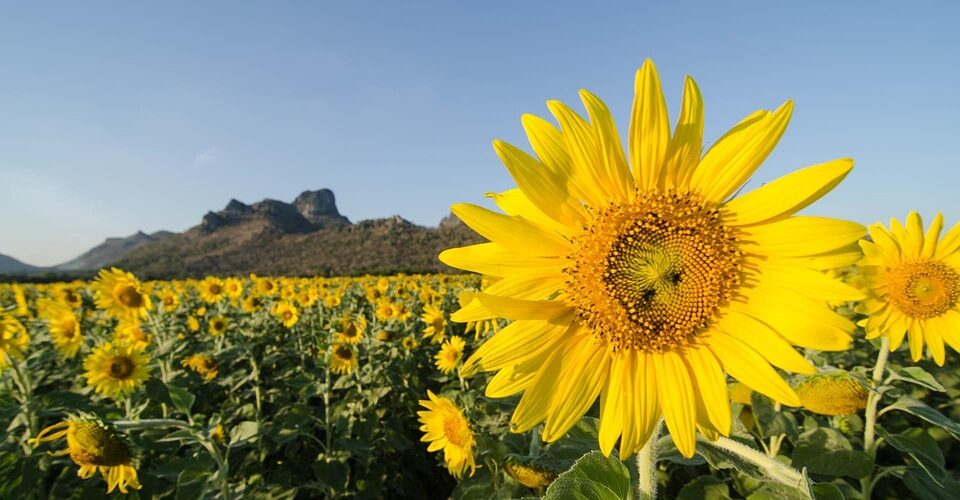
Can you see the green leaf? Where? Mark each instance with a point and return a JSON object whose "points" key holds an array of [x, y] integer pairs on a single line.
{"points": [[181, 398], [579, 440], [922, 449], [593, 476], [777, 491], [243, 432], [918, 376], [705, 488], [826, 491], [920, 409], [925, 489], [825, 451]]}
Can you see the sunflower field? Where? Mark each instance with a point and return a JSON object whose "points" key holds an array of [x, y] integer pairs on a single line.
{"points": [[639, 324]]}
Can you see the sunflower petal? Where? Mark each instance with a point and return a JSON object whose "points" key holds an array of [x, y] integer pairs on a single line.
{"points": [[677, 400], [649, 135]]}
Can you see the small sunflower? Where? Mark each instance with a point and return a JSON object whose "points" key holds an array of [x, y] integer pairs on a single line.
{"points": [[447, 429], [836, 394], [913, 279], [436, 323], [218, 434], [64, 329], [252, 304], [266, 286], [218, 325], [352, 330], [131, 331], [204, 365], [287, 313], [121, 295], [116, 369], [94, 446], [409, 343], [70, 296], [13, 340], [343, 359], [234, 287], [169, 301], [193, 324], [212, 289], [451, 352]]}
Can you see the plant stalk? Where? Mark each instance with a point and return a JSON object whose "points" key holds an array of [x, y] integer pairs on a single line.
{"points": [[870, 418], [647, 467]]}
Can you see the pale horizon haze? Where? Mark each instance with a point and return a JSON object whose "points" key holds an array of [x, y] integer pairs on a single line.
{"points": [[130, 116]]}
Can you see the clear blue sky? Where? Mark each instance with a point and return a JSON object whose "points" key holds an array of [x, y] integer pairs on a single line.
{"points": [[125, 116]]}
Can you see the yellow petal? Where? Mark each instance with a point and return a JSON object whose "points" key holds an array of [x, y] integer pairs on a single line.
{"points": [[585, 155], [813, 284], [532, 286], [950, 243], [788, 194], [930, 239], [915, 338], [505, 307], [801, 236], [535, 402], [611, 405], [515, 233], [514, 343], [745, 365], [494, 259], [914, 235], [711, 384], [649, 128], [934, 342], [765, 341], [576, 387], [613, 167], [544, 187], [677, 400], [687, 142]]}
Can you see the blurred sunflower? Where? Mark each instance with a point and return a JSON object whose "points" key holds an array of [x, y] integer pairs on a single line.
{"points": [[13, 340], [234, 287], [131, 331], [837, 394], [64, 329], [352, 329], [287, 313], [447, 429], [203, 364], [436, 323], [212, 289], [94, 446], [343, 359], [409, 343], [193, 324], [451, 352], [266, 286], [529, 475], [169, 301], [218, 325], [116, 369], [252, 304], [645, 283], [913, 279], [121, 295]]}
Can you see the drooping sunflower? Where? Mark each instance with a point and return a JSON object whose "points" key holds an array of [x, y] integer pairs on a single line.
{"points": [[218, 325], [436, 323], [645, 282], [352, 329], [94, 446], [446, 428], [913, 279], [529, 475], [451, 352], [204, 364], [343, 359], [117, 369], [13, 340], [64, 328], [838, 393], [121, 295], [212, 289], [287, 313]]}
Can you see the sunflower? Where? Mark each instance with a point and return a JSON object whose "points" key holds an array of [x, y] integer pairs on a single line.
{"points": [[218, 325], [436, 323], [343, 359], [287, 313], [352, 330], [446, 428], [116, 369], [193, 324], [234, 287], [64, 328], [252, 304], [94, 446], [70, 296], [913, 279], [265, 286], [129, 331], [836, 394], [409, 343], [169, 301], [451, 352], [121, 295], [212, 289], [646, 283], [13, 340], [203, 364], [218, 434]]}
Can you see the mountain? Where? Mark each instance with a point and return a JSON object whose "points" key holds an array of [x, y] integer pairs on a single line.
{"points": [[306, 237], [110, 251], [9, 265]]}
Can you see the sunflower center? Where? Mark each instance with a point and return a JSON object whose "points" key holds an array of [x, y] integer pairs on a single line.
{"points": [[344, 353], [287, 315], [924, 289], [650, 275], [91, 444], [457, 430], [351, 331], [129, 296], [120, 367]]}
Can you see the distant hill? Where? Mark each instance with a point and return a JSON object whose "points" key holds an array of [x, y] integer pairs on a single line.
{"points": [[306, 237], [9, 265], [110, 251]]}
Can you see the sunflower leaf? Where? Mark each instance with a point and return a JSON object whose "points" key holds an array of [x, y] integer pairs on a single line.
{"points": [[918, 376], [920, 409], [593, 476], [922, 448]]}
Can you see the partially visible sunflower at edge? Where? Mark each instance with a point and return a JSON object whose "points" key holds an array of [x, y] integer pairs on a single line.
{"points": [[14, 340], [913, 278], [645, 278]]}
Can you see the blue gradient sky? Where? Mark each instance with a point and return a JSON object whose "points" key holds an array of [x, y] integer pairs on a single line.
{"points": [[122, 117]]}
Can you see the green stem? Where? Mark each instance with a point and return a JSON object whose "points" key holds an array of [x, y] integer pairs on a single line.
{"points": [[771, 468], [869, 426], [149, 423], [647, 467]]}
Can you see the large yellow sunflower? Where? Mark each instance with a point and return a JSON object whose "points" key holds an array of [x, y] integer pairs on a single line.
{"points": [[117, 369], [645, 283], [913, 279], [121, 295]]}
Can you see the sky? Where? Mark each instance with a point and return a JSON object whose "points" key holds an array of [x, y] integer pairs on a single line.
{"points": [[125, 116]]}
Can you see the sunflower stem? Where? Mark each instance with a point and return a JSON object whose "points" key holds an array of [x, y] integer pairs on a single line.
{"points": [[149, 423], [647, 467], [870, 424], [771, 467]]}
